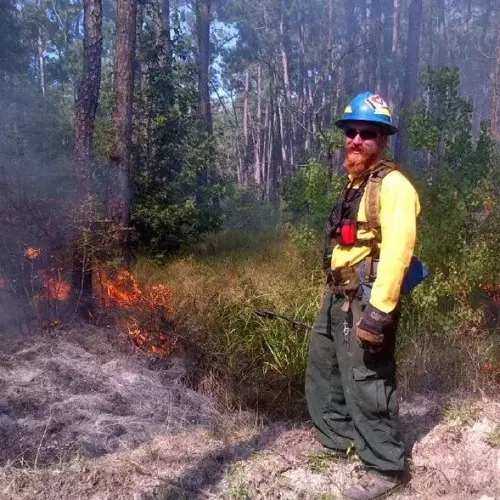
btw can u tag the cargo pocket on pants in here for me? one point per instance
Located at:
(371, 393)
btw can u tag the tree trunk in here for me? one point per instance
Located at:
(203, 31)
(376, 45)
(442, 38)
(393, 83)
(119, 199)
(258, 134)
(88, 96)
(166, 28)
(385, 61)
(86, 107)
(41, 62)
(495, 88)
(351, 30)
(246, 137)
(363, 56)
(485, 22)
(285, 127)
(411, 74)
(41, 57)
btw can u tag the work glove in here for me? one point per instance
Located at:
(370, 329)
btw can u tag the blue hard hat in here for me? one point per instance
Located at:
(368, 107)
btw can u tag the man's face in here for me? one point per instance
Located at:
(364, 143)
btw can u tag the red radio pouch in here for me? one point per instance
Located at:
(348, 233)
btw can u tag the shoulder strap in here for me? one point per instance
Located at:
(372, 199)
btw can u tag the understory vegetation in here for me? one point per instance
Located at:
(450, 328)
(449, 333)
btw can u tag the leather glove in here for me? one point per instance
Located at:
(370, 329)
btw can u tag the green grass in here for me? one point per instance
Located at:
(461, 412)
(493, 437)
(215, 293)
(260, 363)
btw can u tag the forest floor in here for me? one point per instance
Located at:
(84, 417)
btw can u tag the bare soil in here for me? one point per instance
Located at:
(84, 417)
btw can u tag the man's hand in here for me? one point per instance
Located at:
(370, 329)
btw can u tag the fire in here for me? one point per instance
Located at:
(58, 289)
(122, 291)
(146, 322)
(32, 253)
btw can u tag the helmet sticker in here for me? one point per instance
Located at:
(378, 105)
(348, 109)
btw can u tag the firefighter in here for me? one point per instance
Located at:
(369, 241)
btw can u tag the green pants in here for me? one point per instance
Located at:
(351, 394)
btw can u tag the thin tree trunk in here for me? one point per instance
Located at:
(411, 74)
(486, 22)
(495, 87)
(431, 31)
(41, 62)
(286, 142)
(246, 140)
(330, 76)
(41, 57)
(393, 83)
(363, 57)
(385, 62)
(166, 29)
(376, 45)
(203, 31)
(443, 42)
(351, 30)
(119, 201)
(258, 135)
(301, 91)
(281, 140)
(265, 156)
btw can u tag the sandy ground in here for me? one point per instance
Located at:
(83, 417)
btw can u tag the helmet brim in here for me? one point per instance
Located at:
(344, 123)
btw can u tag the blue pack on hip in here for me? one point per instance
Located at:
(417, 272)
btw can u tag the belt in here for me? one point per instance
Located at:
(345, 282)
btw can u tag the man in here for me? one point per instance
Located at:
(351, 373)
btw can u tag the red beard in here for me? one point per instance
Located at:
(358, 163)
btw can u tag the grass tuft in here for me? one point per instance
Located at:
(461, 412)
(493, 437)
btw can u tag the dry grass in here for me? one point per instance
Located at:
(87, 417)
(215, 296)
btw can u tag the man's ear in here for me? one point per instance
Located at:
(384, 139)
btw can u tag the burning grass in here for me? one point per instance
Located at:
(144, 312)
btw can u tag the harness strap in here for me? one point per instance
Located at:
(372, 200)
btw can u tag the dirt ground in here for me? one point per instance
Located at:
(84, 417)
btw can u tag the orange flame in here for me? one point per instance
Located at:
(145, 326)
(32, 253)
(58, 289)
(123, 291)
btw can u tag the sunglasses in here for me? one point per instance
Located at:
(364, 134)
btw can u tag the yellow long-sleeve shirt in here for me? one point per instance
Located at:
(399, 208)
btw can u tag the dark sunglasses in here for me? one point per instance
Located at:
(364, 134)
